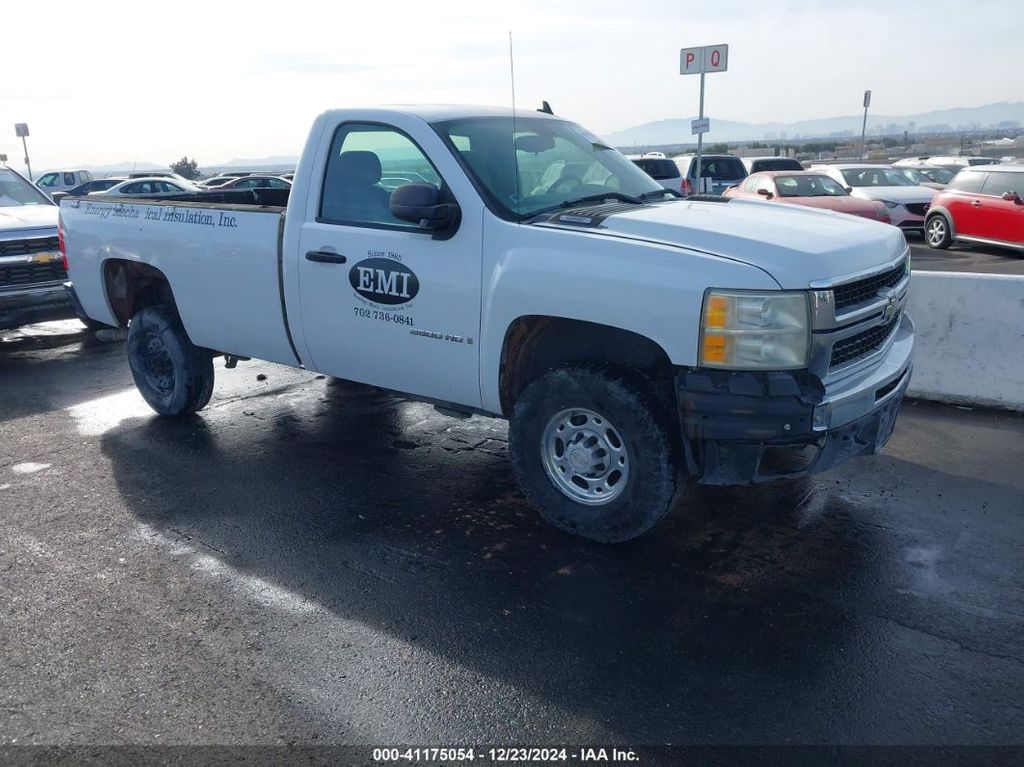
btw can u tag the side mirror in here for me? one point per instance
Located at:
(849, 189)
(1012, 197)
(421, 204)
(765, 193)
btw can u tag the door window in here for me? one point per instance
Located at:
(50, 179)
(366, 163)
(999, 183)
(69, 179)
(968, 181)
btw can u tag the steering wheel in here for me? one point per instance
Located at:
(566, 180)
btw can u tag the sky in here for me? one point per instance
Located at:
(107, 82)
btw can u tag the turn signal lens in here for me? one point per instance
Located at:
(717, 312)
(716, 348)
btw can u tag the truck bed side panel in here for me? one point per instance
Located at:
(221, 262)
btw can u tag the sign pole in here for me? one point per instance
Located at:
(699, 61)
(28, 165)
(700, 136)
(21, 131)
(864, 126)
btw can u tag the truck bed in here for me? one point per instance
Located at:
(220, 252)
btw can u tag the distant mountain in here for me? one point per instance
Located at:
(129, 166)
(260, 163)
(677, 131)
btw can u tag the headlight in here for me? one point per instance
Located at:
(755, 331)
(889, 204)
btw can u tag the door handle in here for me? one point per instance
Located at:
(975, 203)
(325, 257)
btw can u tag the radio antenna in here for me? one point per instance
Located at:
(515, 156)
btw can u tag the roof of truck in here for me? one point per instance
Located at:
(440, 112)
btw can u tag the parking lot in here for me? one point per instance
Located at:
(966, 258)
(316, 562)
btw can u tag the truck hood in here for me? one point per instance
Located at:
(796, 245)
(18, 217)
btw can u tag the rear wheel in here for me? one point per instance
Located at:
(937, 233)
(592, 452)
(174, 376)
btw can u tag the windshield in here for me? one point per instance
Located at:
(727, 168)
(658, 169)
(15, 191)
(556, 162)
(914, 175)
(808, 186)
(876, 177)
(938, 175)
(779, 163)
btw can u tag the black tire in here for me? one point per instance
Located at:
(174, 376)
(937, 232)
(630, 413)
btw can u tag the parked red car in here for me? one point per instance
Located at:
(815, 190)
(984, 203)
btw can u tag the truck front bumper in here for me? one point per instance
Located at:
(740, 428)
(27, 306)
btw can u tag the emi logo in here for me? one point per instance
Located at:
(383, 281)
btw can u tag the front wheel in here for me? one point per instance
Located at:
(592, 452)
(174, 376)
(936, 232)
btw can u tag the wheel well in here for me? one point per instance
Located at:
(534, 344)
(131, 286)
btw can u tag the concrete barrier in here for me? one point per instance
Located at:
(969, 338)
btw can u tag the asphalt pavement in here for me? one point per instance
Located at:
(965, 258)
(309, 561)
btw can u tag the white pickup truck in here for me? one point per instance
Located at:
(515, 266)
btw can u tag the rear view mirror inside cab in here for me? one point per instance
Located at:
(535, 143)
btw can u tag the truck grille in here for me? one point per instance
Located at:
(862, 291)
(14, 275)
(28, 247)
(863, 343)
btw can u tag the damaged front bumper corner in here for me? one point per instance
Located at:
(741, 428)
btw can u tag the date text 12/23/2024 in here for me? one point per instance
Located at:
(505, 754)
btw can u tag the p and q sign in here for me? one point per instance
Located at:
(707, 58)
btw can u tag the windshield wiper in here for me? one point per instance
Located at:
(588, 198)
(601, 196)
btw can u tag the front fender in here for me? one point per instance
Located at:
(653, 290)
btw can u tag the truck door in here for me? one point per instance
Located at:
(383, 301)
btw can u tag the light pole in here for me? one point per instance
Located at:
(21, 130)
(864, 126)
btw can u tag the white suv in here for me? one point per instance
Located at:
(907, 203)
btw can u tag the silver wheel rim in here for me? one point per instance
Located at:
(936, 231)
(585, 456)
